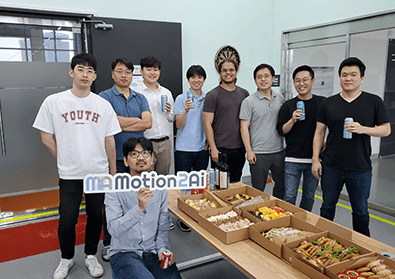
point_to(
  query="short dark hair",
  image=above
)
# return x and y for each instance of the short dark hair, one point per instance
(227, 60)
(124, 61)
(196, 70)
(150, 61)
(264, 66)
(303, 68)
(131, 143)
(352, 61)
(85, 59)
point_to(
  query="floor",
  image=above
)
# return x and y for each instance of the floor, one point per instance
(188, 246)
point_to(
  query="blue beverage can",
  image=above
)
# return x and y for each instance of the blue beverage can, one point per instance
(347, 134)
(211, 179)
(300, 105)
(163, 100)
(190, 96)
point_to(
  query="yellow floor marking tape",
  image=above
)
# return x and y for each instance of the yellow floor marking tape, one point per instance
(349, 208)
(41, 214)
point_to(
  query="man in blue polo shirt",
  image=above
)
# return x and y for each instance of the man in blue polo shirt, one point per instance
(133, 114)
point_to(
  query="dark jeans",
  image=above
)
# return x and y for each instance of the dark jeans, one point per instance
(129, 265)
(358, 187)
(70, 199)
(292, 175)
(187, 161)
(121, 168)
(259, 171)
(236, 160)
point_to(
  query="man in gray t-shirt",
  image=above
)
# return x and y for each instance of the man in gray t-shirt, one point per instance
(258, 120)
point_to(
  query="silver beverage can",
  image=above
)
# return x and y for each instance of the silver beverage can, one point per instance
(347, 134)
(163, 100)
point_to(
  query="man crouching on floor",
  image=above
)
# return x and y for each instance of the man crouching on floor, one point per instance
(139, 222)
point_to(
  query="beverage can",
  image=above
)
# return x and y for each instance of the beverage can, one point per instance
(164, 263)
(163, 100)
(190, 96)
(211, 179)
(300, 105)
(347, 134)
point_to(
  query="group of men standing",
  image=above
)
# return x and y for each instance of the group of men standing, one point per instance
(127, 130)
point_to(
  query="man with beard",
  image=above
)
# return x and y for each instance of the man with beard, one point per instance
(134, 117)
(221, 119)
(139, 222)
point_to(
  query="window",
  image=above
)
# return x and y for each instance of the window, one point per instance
(29, 43)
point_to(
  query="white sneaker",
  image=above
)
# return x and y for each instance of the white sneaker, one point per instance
(63, 269)
(104, 253)
(94, 267)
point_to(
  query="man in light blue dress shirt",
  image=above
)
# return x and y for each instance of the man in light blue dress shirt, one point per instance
(139, 222)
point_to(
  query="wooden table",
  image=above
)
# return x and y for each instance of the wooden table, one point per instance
(251, 258)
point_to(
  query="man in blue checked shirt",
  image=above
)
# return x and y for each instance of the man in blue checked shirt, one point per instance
(139, 222)
(134, 117)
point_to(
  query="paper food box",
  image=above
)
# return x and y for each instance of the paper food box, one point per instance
(275, 246)
(226, 237)
(371, 263)
(289, 208)
(192, 209)
(238, 195)
(329, 226)
(308, 267)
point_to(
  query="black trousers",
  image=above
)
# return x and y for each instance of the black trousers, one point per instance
(235, 159)
(70, 200)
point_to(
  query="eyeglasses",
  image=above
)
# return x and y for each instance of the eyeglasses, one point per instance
(127, 72)
(135, 154)
(88, 71)
(305, 80)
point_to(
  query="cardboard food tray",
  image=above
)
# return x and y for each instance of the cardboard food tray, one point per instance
(296, 211)
(275, 247)
(307, 268)
(225, 237)
(192, 212)
(332, 270)
(246, 190)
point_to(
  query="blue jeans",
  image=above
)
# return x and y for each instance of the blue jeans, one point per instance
(292, 175)
(187, 161)
(358, 187)
(129, 265)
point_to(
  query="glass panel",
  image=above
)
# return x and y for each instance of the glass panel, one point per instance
(50, 56)
(65, 56)
(48, 34)
(7, 42)
(49, 44)
(12, 55)
(64, 34)
(64, 44)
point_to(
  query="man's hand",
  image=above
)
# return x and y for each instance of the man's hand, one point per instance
(251, 157)
(188, 104)
(354, 127)
(167, 107)
(171, 258)
(214, 155)
(316, 169)
(296, 115)
(144, 195)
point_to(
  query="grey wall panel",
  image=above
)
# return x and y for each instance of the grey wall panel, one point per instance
(27, 165)
(37, 74)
